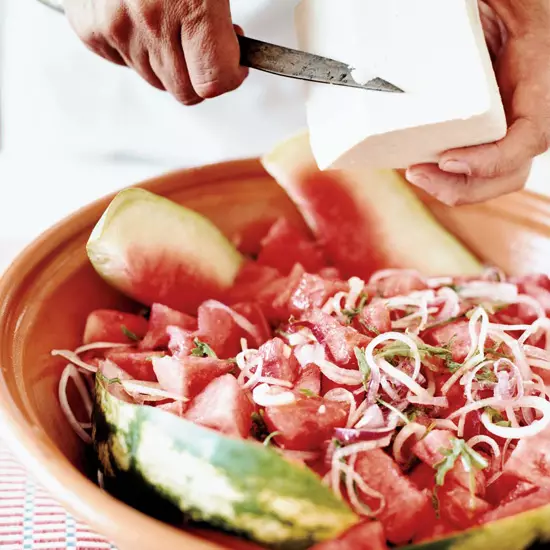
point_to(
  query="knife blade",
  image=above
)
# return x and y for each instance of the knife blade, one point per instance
(283, 61)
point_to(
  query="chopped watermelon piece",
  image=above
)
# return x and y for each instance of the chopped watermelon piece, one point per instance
(138, 365)
(508, 488)
(278, 361)
(429, 450)
(219, 329)
(374, 319)
(174, 407)
(307, 423)
(188, 376)
(106, 325)
(458, 507)
(223, 406)
(364, 536)
(339, 340)
(536, 286)
(455, 336)
(181, 342)
(161, 318)
(253, 312)
(309, 380)
(530, 460)
(252, 281)
(433, 529)
(531, 501)
(312, 291)
(399, 284)
(405, 505)
(286, 245)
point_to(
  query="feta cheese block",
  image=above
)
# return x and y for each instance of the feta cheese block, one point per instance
(434, 50)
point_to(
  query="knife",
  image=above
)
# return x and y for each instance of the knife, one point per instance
(282, 61)
(291, 63)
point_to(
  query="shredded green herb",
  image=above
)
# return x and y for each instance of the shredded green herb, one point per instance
(308, 393)
(486, 375)
(351, 314)
(393, 409)
(470, 459)
(267, 440)
(496, 418)
(129, 334)
(443, 323)
(202, 349)
(364, 368)
(399, 349)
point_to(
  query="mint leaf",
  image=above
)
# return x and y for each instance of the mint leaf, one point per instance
(202, 349)
(129, 334)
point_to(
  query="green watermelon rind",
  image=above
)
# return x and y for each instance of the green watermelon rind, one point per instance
(517, 532)
(235, 485)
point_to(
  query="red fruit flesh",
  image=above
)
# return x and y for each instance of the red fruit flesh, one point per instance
(306, 424)
(138, 365)
(188, 376)
(160, 319)
(382, 474)
(364, 536)
(105, 325)
(286, 245)
(223, 406)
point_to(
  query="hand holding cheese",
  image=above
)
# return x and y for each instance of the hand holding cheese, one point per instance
(436, 51)
(187, 47)
(521, 54)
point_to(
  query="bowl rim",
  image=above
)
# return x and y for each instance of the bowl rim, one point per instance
(67, 485)
(32, 448)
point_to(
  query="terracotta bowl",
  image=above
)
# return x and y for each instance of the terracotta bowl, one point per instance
(47, 293)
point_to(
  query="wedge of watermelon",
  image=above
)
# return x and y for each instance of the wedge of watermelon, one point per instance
(155, 250)
(386, 225)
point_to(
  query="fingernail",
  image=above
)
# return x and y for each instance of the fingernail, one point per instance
(420, 179)
(456, 167)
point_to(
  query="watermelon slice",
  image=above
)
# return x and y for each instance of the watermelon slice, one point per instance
(105, 325)
(155, 250)
(223, 406)
(386, 225)
(160, 319)
(276, 362)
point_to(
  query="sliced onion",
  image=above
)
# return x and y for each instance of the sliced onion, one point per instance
(356, 286)
(265, 396)
(353, 435)
(74, 359)
(70, 372)
(495, 292)
(369, 416)
(428, 400)
(353, 481)
(451, 306)
(307, 354)
(480, 439)
(151, 391)
(386, 273)
(536, 427)
(411, 429)
(100, 345)
(341, 395)
(339, 375)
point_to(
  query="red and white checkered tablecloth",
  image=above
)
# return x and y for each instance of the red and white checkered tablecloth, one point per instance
(30, 519)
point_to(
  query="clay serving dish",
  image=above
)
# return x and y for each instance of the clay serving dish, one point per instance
(47, 293)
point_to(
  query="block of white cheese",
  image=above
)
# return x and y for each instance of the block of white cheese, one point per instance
(432, 49)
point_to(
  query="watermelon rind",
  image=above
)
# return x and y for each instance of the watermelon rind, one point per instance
(155, 250)
(518, 532)
(239, 486)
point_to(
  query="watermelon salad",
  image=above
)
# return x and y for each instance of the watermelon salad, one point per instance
(396, 389)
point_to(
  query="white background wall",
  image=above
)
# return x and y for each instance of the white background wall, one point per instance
(50, 166)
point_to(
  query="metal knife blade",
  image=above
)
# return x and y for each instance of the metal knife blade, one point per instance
(291, 63)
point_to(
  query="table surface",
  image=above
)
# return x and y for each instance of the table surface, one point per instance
(33, 196)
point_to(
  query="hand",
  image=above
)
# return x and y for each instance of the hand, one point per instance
(518, 35)
(187, 47)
